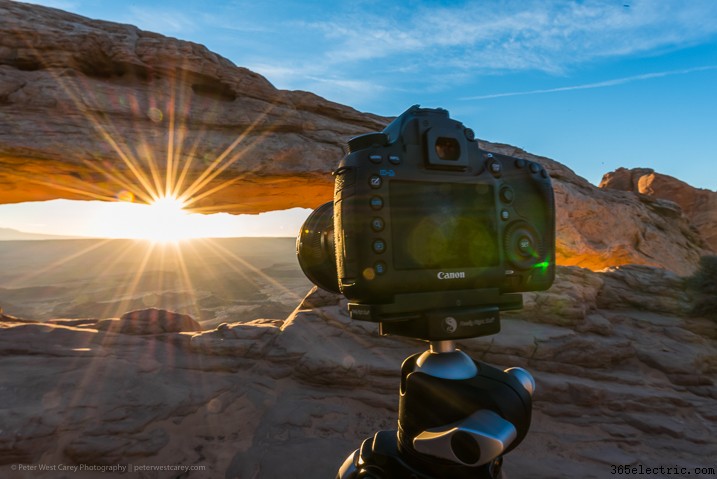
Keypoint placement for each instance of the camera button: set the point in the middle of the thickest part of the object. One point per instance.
(379, 267)
(394, 159)
(534, 167)
(376, 202)
(520, 163)
(504, 215)
(377, 224)
(375, 159)
(379, 246)
(495, 168)
(506, 195)
(525, 245)
(375, 181)
(369, 274)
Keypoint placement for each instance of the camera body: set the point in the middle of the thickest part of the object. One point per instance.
(426, 224)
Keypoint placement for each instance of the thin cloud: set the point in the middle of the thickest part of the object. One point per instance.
(488, 38)
(512, 35)
(588, 86)
(436, 47)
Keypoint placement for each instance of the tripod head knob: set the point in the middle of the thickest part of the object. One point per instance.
(474, 441)
(525, 378)
(477, 439)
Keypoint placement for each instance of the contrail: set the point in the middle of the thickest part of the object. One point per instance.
(587, 86)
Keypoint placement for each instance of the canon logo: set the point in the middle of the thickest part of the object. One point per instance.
(455, 275)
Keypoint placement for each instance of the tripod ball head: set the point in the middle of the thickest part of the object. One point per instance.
(455, 421)
(465, 422)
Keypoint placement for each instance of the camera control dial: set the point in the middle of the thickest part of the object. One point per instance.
(522, 245)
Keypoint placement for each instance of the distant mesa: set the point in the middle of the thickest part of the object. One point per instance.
(9, 234)
(149, 321)
(141, 322)
(97, 97)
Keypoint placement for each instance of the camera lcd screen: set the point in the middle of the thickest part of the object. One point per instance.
(443, 225)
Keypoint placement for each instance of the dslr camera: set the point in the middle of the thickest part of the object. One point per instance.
(428, 234)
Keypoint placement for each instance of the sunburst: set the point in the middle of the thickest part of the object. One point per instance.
(170, 182)
(164, 190)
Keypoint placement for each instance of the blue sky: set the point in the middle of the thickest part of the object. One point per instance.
(593, 84)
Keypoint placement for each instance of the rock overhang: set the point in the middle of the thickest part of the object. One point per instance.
(91, 109)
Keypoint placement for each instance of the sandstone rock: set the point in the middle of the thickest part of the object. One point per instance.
(149, 321)
(88, 322)
(114, 105)
(247, 340)
(105, 450)
(570, 299)
(47, 340)
(622, 384)
(577, 293)
(644, 288)
(595, 323)
(699, 205)
(6, 318)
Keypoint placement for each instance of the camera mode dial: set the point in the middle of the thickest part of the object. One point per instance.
(369, 140)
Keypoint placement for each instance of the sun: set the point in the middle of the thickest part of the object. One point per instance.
(165, 221)
(168, 205)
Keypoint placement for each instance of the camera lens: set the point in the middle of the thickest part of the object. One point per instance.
(448, 149)
(315, 248)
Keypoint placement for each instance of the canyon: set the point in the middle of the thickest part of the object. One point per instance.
(99, 110)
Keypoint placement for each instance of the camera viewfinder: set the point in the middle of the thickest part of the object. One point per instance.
(448, 149)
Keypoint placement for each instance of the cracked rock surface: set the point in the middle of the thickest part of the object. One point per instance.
(621, 380)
